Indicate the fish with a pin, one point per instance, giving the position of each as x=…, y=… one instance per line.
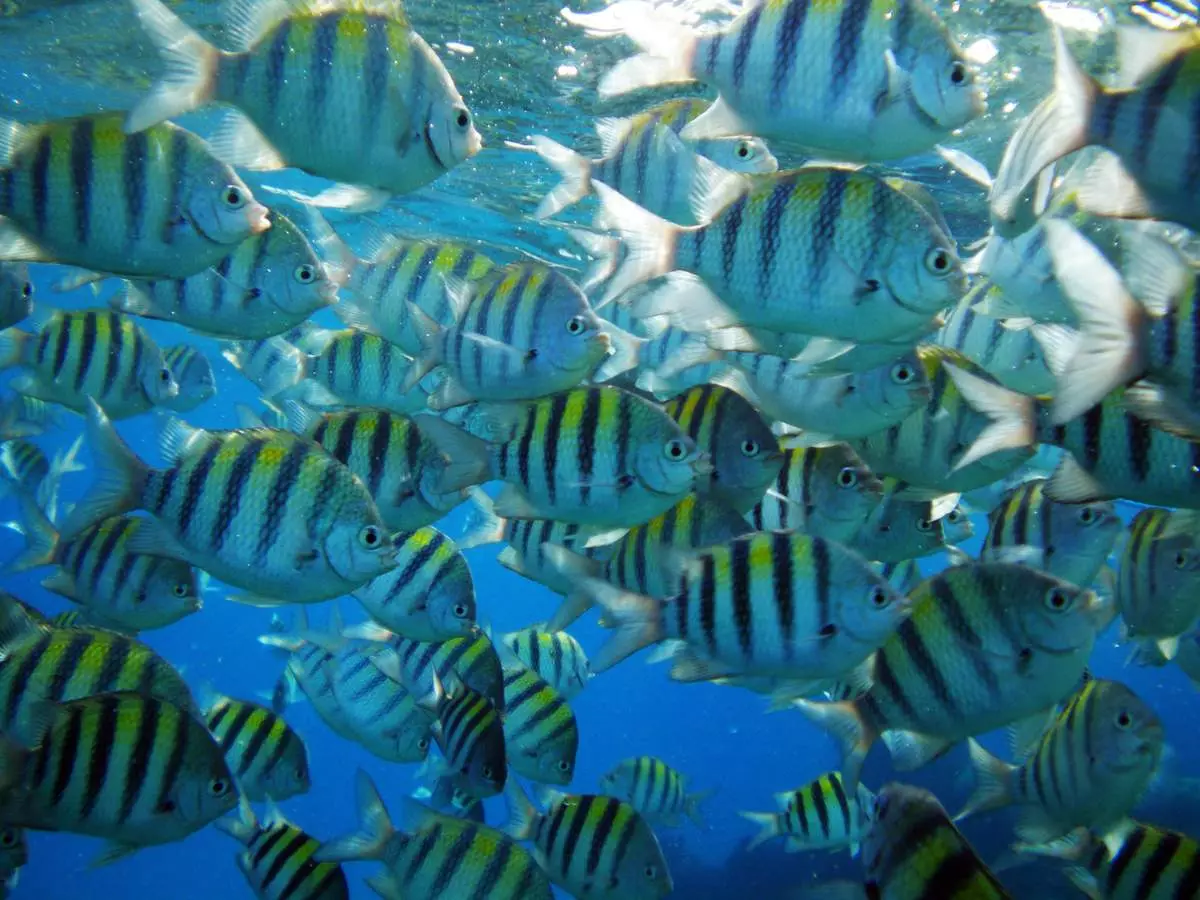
x=824, y=490
x=175, y=785
x=470, y=660
x=899, y=528
x=779, y=260
x=278, y=860
x=744, y=454
x=194, y=375
x=16, y=294
x=591, y=844
x=94, y=354
x=267, y=284
x=470, y=733
x=554, y=655
x=771, y=603
x=429, y=596
x=265, y=754
x=82, y=192
x=821, y=815
x=986, y=644
x=438, y=856
x=541, y=734
x=376, y=108
x=1157, y=569
x=596, y=456
x=25, y=416
x=642, y=157
x=1009, y=350
x=657, y=791
x=25, y=468
x=841, y=80
x=1089, y=769
x=1069, y=540
x=309, y=530
x=381, y=711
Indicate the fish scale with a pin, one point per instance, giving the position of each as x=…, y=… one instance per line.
x=541, y=735
x=267, y=756
x=823, y=491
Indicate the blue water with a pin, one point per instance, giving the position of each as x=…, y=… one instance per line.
x=62, y=58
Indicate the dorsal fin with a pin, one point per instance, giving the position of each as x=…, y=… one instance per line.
x=247, y=21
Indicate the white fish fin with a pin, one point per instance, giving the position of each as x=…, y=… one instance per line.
x=113, y=852
x=482, y=526
x=191, y=68
x=375, y=828
x=769, y=827
x=669, y=46
x=1155, y=270
x=1168, y=647
x=966, y=165
x=177, y=437
x=1055, y=128
x=1058, y=343
x=693, y=351
x=1071, y=483
x=76, y=278
x=132, y=299
x=625, y=353
x=12, y=135
x=575, y=170
x=718, y=121
x=522, y=814
x=993, y=782
x=119, y=475
x=14, y=246
x=845, y=723
x=1162, y=409
x=237, y=142
x=687, y=302
x=1107, y=189
x=467, y=458
x=300, y=418
x=1025, y=734
x=911, y=750
x=1110, y=349
x=356, y=315
x=512, y=504
x=734, y=339
x=612, y=133
x=822, y=351
x=153, y=539
x=450, y=393
x=1022, y=555
x=940, y=507
x=713, y=188
x=1141, y=51
x=689, y=666
x=1013, y=416
x=637, y=620
x=41, y=540
x=605, y=250
x=650, y=241
x=352, y=199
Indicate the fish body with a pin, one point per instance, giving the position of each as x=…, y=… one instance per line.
x=1158, y=568
x=380, y=710
x=1011, y=355
x=1138, y=862
x=541, y=735
x=900, y=529
x=471, y=660
x=278, y=860
x=555, y=656
x=655, y=790
x=470, y=733
x=821, y=815
x=264, y=753
x=312, y=659
x=194, y=375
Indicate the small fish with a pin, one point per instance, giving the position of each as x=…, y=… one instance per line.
x=643, y=158
x=439, y=856
x=23, y=465
x=177, y=784
x=591, y=845
x=1132, y=862
x=593, y=456
x=900, y=529
x=194, y=375
x=553, y=654
x=986, y=644
x=541, y=735
x=472, y=661
x=268, y=758
x=1011, y=352
x=771, y=603
x=81, y=192
x=16, y=294
x=818, y=816
x=825, y=491
x=470, y=734
x=1068, y=540
x=655, y=790
x=744, y=453
x=94, y=354
x=839, y=79
x=429, y=596
x=1088, y=770
x=382, y=712
x=279, y=859
x=307, y=529
x=1158, y=573
x=377, y=108
x=25, y=416
x=267, y=284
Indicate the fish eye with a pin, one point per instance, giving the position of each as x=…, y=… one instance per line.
x=937, y=261
x=847, y=478
x=651, y=871
x=27, y=290
x=164, y=375
x=218, y=787
x=180, y=590
x=1086, y=516
x=958, y=72
x=460, y=610
x=743, y=150
x=423, y=744
x=564, y=766
x=879, y=597
x=953, y=516
x=463, y=119
x=1057, y=599
x=871, y=285
x=306, y=274
x=488, y=773
x=8, y=839
x=902, y=373
x=924, y=525
x=750, y=447
x=1124, y=720
x=576, y=325
x=1181, y=559
x=233, y=197
x=675, y=450
x=369, y=537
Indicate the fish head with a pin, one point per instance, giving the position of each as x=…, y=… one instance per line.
x=158, y=380
x=643, y=873
x=453, y=611
x=671, y=465
x=450, y=132
x=1081, y=539
x=742, y=154
x=746, y=458
x=956, y=525
x=923, y=272
x=867, y=608
x=893, y=390
x=358, y=546
x=844, y=490
x=1176, y=564
x=170, y=588
x=1054, y=616
x=290, y=776
x=221, y=207
x=14, y=848
x=943, y=86
x=291, y=277
x=194, y=377
x=1124, y=733
x=900, y=529
x=206, y=790
x=555, y=762
x=486, y=769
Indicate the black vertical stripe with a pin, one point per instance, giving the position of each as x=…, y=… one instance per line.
x=1093, y=421
x=1140, y=437
x=846, y=46
x=579, y=808
x=102, y=749
x=821, y=582
x=297, y=839
x=324, y=43
x=378, y=451
x=825, y=226
x=782, y=582
x=116, y=655
x=952, y=614
x=240, y=720
x=589, y=427
x=62, y=328
x=524, y=444
x=133, y=188
x=489, y=879
x=558, y=408
x=174, y=765
x=740, y=576
x=87, y=344
x=731, y=226
x=839, y=794
x=277, y=496
x=307, y=870
x=821, y=809
x=957, y=873
x=30, y=658
x=277, y=57
x=260, y=853
x=787, y=42
x=231, y=496
x=114, y=356
x=104, y=552
x=68, y=664
x=600, y=834
x=68, y=751
x=255, y=745
x=176, y=181
x=1153, y=98
x=769, y=237
x=708, y=601
x=745, y=42
x=557, y=816
x=197, y=479
x=1124, y=858
x=39, y=178
x=82, y=152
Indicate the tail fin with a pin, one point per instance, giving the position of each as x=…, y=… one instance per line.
x=574, y=567
x=769, y=824
x=483, y=526
x=638, y=621
x=845, y=722
x=691, y=806
x=625, y=354
x=523, y=815
x=191, y=61
x=993, y=777
x=576, y=172
x=41, y=540
x=468, y=460
x=649, y=240
x=376, y=832
x=13, y=342
x=244, y=827
x=1013, y=415
x=430, y=357
x=120, y=475
x=64, y=463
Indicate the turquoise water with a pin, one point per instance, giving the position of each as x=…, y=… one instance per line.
x=528, y=72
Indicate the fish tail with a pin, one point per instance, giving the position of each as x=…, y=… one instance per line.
x=993, y=782
x=13, y=347
x=768, y=824
x=377, y=830
x=63, y=463
x=522, y=814
x=649, y=240
x=668, y=45
x=41, y=540
x=625, y=350
x=483, y=526
x=192, y=63
x=845, y=722
x=638, y=621
x=430, y=357
x=691, y=806
x=243, y=826
x=574, y=567
x=1013, y=415
x=576, y=172
x=467, y=460
x=120, y=475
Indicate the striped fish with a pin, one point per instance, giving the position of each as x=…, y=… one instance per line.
x=553, y=654
x=25, y=416
x=592, y=456
x=1089, y=769
x=655, y=790
x=1068, y=540
x=16, y=294
x=810, y=72
x=438, y=856
x=307, y=529
x=134, y=769
x=24, y=463
x=429, y=596
x=383, y=714
x=93, y=353
x=39, y=663
x=467, y=660
x=470, y=733
x=194, y=375
x=913, y=852
x=541, y=736
x=743, y=451
x=81, y=192
x=345, y=90
x=671, y=360
x=986, y=644
x=900, y=529
x=1138, y=862
x=1013, y=356
x=825, y=491
x=643, y=158
x=646, y=559
x=819, y=816
x=591, y=845
x=770, y=603
x=266, y=756
x=519, y=332
x=1158, y=572
x=771, y=258
x=267, y=284
x=401, y=274
x=279, y=861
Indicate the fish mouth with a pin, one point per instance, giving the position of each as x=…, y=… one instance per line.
x=258, y=218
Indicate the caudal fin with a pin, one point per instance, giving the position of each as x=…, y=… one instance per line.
x=669, y=45
x=376, y=829
x=576, y=172
x=649, y=241
x=770, y=827
x=191, y=62
x=41, y=540
x=1013, y=415
x=638, y=621
x=845, y=722
x=993, y=782
x=119, y=475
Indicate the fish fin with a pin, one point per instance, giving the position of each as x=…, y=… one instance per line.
x=64, y=463
x=236, y=141
x=450, y=393
x=993, y=782
x=1162, y=409
x=845, y=722
x=769, y=828
x=854, y=849
x=911, y=750
x=1111, y=348
x=1025, y=734
x=686, y=302
x=119, y=475
x=625, y=353
x=258, y=601
x=1072, y=483
x=1058, y=126
x=511, y=503
x=966, y=165
x=691, y=805
x=574, y=605
x=1155, y=271
x=14, y=346
x=713, y=188
x=1058, y=343
x=468, y=460
x=1013, y=416
x=718, y=121
x=16, y=627
x=191, y=68
x=1107, y=189
x=352, y=199
x=112, y=853
x=178, y=437
x=1168, y=647
x=375, y=828
x=638, y=622
x=650, y=241
x=12, y=135
x=430, y=333
x=689, y=666
x=63, y=584
x=522, y=814
x=1035, y=827
x=575, y=170
x=242, y=827
x=14, y=246
x=41, y=540
x=669, y=46
x=482, y=526
x=1141, y=51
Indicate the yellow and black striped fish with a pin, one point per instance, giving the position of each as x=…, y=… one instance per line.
x=470, y=733
x=381, y=712
x=472, y=661
x=194, y=375
x=1137, y=862
x=654, y=789
x=82, y=192
x=279, y=859
x=555, y=655
x=1158, y=577
x=822, y=815
x=309, y=669
x=264, y=753
x=541, y=735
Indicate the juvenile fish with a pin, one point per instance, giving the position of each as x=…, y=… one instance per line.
x=194, y=375
x=1158, y=572
x=266, y=755
x=655, y=790
x=822, y=815
x=554, y=655
x=278, y=861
